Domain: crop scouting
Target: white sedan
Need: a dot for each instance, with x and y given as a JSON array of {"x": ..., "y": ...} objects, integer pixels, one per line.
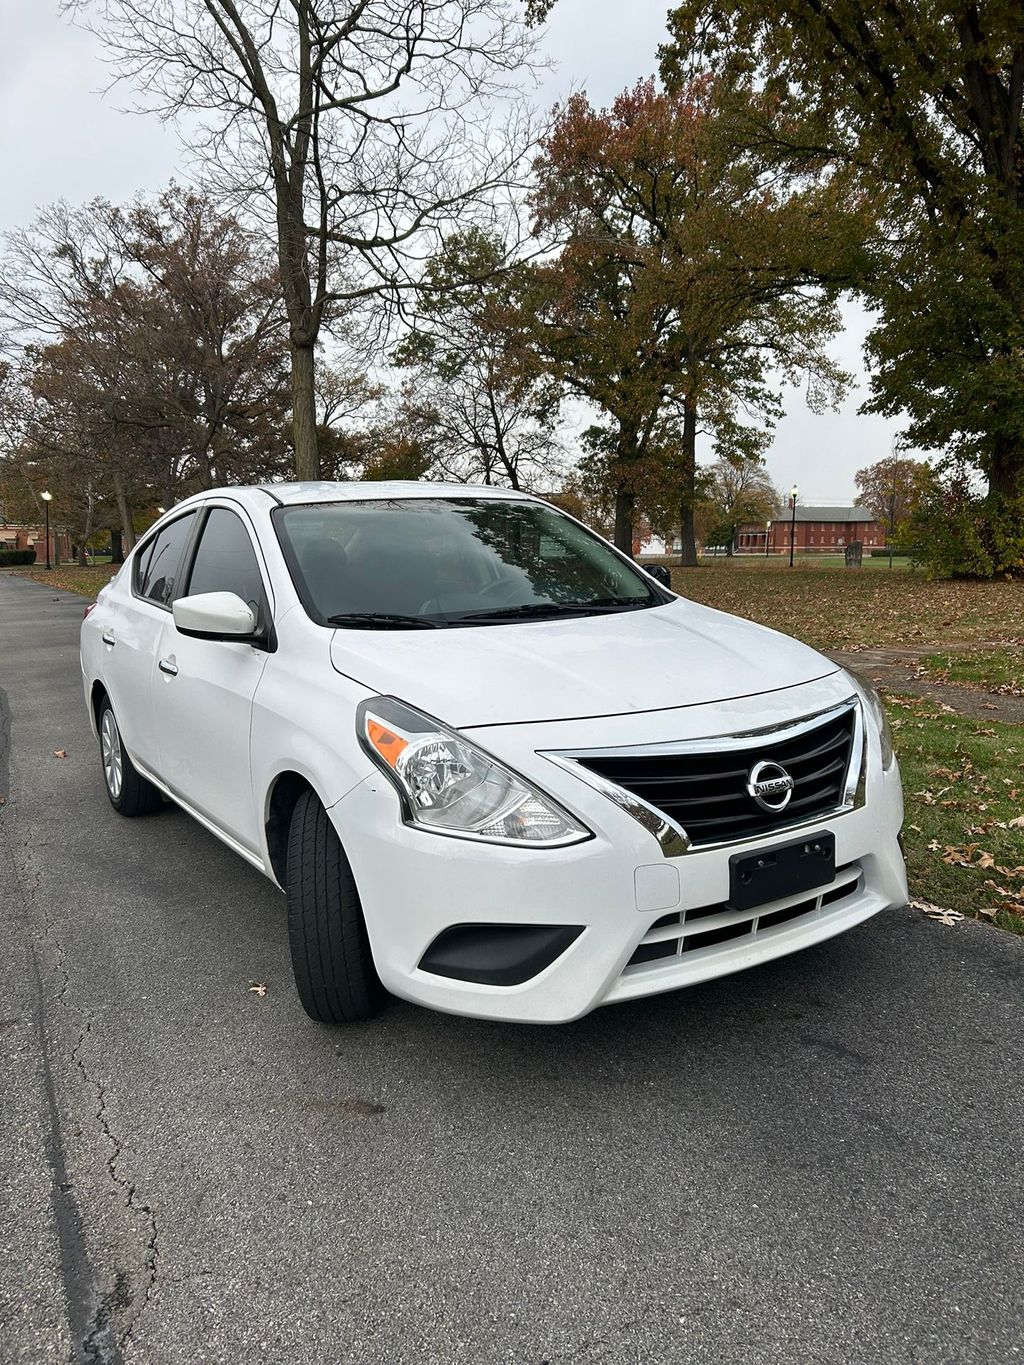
[{"x": 496, "y": 767}]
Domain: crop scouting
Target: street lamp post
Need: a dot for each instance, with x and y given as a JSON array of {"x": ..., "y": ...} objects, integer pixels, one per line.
[
  {"x": 46, "y": 504},
  {"x": 792, "y": 523},
  {"x": 767, "y": 533}
]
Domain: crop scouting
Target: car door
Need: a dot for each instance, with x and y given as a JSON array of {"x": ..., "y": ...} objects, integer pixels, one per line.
[
  {"x": 204, "y": 689},
  {"x": 132, "y": 627}
]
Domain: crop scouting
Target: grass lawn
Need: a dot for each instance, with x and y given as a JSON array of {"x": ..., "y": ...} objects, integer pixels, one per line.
[
  {"x": 964, "y": 831},
  {"x": 997, "y": 670},
  {"x": 840, "y": 608},
  {"x": 69, "y": 577}
]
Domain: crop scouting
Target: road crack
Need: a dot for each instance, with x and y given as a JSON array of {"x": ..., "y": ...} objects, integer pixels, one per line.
[
  {"x": 132, "y": 1200},
  {"x": 93, "y": 1315}
]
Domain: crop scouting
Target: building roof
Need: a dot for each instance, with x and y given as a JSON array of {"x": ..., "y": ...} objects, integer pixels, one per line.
[{"x": 806, "y": 512}]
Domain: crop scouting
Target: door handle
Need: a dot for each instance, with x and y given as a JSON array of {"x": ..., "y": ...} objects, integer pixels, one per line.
[
  {"x": 108, "y": 638},
  {"x": 168, "y": 666}
]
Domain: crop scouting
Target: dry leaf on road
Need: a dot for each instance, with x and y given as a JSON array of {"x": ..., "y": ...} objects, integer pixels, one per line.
[
  {"x": 938, "y": 913},
  {"x": 60, "y": 753},
  {"x": 258, "y": 988}
]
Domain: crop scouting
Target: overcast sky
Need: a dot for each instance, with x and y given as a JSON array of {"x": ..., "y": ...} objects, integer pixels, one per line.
[{"x": 62, "y": 138}]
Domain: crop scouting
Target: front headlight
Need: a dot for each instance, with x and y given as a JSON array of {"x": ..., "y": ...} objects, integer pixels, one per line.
[
  {"x": 871, "y": 699},
  {"x": 449, "y": 786}
]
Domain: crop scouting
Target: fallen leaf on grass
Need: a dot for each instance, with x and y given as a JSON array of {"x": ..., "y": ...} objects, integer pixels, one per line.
[
  {"x": 1012, "y": 902},
  {"x": 60, "y": 753},
  {"x": 965, "y": 856},
  {"x": 988, "y": 912},
  {"x": 1018, "y": 823},
  {"x": 938, "y": 913},
  {"x": 258, "y": 988}
]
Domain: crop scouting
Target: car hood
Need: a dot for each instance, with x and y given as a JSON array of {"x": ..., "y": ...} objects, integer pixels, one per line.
[{"x": 680, "y": 654}]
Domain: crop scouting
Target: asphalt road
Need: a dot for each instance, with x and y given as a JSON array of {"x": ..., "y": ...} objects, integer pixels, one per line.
[{"x": 815, "y": 1161}]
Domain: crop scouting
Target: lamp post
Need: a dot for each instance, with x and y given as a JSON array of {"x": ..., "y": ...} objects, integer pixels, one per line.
[
  {"x": 792, "y": 523},
  {"x": 767, "y": 533},
  {"x": 47, "y": 497}
]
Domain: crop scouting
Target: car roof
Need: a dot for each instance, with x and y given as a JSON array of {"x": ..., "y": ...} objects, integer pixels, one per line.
[
  {"x": 355, "y": 490},
  {"x": 318, "y": 491}
]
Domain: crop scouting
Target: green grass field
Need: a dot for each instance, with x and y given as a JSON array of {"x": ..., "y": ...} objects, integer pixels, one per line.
[
  {"x": 964, "y": 790},
  {"x": 832, "y": 607},
  {"x": 990, "y": 670}
]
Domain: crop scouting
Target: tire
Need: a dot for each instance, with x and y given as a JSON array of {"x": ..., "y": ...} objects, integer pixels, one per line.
[
  {"x": 331, "y": 958},
  {"x": 129, "y": 792}
]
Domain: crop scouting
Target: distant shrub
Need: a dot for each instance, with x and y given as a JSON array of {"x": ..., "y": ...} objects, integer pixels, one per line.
[{"x": 8, "y": 557}]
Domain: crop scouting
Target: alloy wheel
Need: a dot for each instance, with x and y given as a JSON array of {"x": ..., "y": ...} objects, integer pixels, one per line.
[{"x": 110, "y": 747}]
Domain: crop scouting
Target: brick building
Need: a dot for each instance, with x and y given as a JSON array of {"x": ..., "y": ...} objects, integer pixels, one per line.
[
  {"x": 819, "y": 530},
  {"x": 34, "y": 538}
]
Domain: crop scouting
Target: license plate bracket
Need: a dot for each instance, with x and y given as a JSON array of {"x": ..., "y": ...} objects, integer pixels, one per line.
[{"x": 771, "y": 874}]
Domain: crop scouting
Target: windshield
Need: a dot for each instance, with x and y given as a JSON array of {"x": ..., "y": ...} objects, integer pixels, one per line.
[{"x": 427, "y": 562}]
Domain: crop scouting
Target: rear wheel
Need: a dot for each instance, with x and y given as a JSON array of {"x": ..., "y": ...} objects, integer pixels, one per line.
[
  {"x": 130, "y": 794},
  {"x": 334, "y": 971}
]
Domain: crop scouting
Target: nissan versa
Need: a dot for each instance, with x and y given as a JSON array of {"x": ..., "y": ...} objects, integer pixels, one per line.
[{"x": 496, "y": 767}]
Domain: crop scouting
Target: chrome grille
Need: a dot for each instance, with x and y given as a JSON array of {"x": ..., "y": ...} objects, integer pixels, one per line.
[
  {"x": 701, "y": 787},
  {"x": 710, "y": 926}
]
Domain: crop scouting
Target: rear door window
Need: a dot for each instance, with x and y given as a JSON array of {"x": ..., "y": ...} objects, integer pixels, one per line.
[{"x": 159, "y": 566}]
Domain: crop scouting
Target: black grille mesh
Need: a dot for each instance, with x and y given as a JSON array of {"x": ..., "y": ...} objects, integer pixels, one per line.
[{"x": 705, "y": 792}]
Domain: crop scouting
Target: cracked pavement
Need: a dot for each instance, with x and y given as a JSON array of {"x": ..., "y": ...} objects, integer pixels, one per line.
[{"x": 813, "y": 1161}]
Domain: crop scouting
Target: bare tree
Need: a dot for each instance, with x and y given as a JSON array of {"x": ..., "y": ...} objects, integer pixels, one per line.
[
  {"x": 356, "y": 126},
  {"x": 483, "y": 398},
  {"x": 153, "y": 356},
  {"x": 737, "y": 491}
]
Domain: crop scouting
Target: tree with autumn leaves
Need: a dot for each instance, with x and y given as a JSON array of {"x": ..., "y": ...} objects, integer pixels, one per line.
[
  {"x": 923, "y": 105},
  {"x": 894, "y": 490},
  {"x": 696, "y": 276}
]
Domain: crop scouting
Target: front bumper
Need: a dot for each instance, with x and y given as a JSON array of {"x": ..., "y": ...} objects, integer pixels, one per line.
[{"x": 618, "y": 888}]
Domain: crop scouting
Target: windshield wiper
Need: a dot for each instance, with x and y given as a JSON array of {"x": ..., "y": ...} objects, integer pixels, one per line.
[
  {"x": 383, "y": 620},
  {"x": 602, "y": 606}
]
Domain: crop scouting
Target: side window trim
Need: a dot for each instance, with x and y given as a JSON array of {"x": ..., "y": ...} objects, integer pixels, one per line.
[
  {"x": 186, "y": 551},
  {"x": 140, "y": 561}
]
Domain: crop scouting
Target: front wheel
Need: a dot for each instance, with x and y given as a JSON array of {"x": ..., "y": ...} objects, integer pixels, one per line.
[
  {"x": 130, "y": 794},
  {"x": 334, "y": 972}
]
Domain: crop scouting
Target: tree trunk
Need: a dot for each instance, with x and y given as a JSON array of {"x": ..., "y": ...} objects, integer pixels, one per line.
[
  {"x": 625, "y": 500},
  {"x": 689, "y": 483},
  {"x": 116, "y": 548},
  {"x": 125, "y": 512},
  {"x": 627, "y": 455},
  {"x": 307, "y": 453},
  {"x": 1006, "y": 472},
  {"x": 87, "y": 532}
]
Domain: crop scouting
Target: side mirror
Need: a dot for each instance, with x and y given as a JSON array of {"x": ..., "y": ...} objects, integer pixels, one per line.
[
  {"x": 659, "y": 573},
  {"x": 214, "y": 616}
]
